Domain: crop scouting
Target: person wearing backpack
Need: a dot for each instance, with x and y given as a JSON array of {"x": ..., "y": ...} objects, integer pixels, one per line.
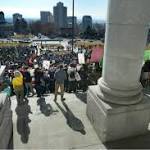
[
  {"x": 71, "y": 78},
  {"x": 18, "y": 86},
  {"x": 60, "y": 77}
]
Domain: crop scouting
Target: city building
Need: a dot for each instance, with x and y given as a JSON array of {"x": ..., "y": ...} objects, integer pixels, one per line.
[
  {"x": 46, "y": 17},
  {"x": 60, "y": 15},
  {"x": 86, "y": 22},
  {"x": 69, "y": 21},
  {"x": 21, "y": 26},
  {"x": 6, "y": 30},
  {"x": 16, "y": 16},
  {"x": 2, "y": 17}
]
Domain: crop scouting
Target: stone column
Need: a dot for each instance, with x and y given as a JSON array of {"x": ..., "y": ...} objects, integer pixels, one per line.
[
  {"x": 126, "y": 35},
  {"x": 110, "y": 104}
]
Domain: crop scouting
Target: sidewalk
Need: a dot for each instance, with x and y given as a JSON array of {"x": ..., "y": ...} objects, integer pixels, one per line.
[{"x": 54, "y": 128}]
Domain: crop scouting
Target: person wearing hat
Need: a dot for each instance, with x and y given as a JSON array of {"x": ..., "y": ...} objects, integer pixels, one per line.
[{"x": 18, "y": 86}]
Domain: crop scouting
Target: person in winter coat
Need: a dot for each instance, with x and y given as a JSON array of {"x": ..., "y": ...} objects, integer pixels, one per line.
[
  {"x": 60, "y": 77},
  {"x": 18, "y": 86}
]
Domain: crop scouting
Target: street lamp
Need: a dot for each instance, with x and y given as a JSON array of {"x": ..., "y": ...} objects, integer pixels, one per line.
[{"x": 72, "y": 25}]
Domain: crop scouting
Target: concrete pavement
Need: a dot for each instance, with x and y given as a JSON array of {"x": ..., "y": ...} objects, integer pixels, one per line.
[
  {"x": 42, "y": 124},
  {"x": 47, "y": 125}
]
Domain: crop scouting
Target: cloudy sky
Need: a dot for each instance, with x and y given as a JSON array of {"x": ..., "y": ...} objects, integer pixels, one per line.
[{"x": 31, "y": 8}]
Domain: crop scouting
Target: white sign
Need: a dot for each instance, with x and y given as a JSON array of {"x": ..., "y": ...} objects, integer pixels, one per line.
[
  {"x": 36, "y": 66},
  {"x": 46, "y": 64},
  {"x": 53, "y": 61},
  {"x": 81, "y": 58}
]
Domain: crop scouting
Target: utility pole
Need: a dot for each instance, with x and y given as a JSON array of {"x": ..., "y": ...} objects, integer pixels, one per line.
[{"x": 72, "y": 25}]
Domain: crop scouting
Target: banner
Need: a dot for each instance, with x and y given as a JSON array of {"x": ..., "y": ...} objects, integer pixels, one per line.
[{"x": 97, "y": 54}]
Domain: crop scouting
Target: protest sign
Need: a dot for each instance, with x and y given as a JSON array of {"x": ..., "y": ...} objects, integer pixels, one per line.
[
  {"x": 81, "y": 58},
  {"x": 46, "y": 64}
]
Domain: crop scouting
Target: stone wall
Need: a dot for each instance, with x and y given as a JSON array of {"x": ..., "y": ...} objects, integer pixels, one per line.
[{"x": 5, "y": 121}]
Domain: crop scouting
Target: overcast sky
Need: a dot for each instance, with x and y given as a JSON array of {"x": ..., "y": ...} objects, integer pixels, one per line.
[{"x": 31, "y": 8}]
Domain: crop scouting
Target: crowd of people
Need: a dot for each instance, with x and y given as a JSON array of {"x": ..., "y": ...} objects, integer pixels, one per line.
[
  {"x": 15, "y": 55},
  {"x": 27, "y": 81},
  {"x": 27, "y": 76}
]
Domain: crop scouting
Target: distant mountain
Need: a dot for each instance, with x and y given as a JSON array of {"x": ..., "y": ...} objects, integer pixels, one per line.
[
  {"x": 99, "y": 21},
  {"x": 9, "y": 20},
  {"x": 29, "y": 20}
]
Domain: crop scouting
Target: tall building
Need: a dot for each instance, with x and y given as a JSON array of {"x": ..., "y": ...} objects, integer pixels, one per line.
[
  {"x": 16, "y": 16},
  {"x": 69, "y": 21},
  {"x": 46, "y": 17},
  {"x": 2, "y": 17},
  {"x": 6, "y": 30},
  {"x": 21, "y": 26},
  {"x": 86, "y": 22},
  {"x": 60, "y": 15}
]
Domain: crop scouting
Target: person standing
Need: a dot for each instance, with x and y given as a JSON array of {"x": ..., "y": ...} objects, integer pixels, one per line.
[
  {"x": 52, "y": 79},
  {"x": 71, "y": 78},
  {"x": 60, "y": 77},
  {"x": 84, "y": 79},
  {"x": 28, "y": 82},
  {"x": 46, "y": 79},
  {"x": 39, "y": 82},
  {"x": 66, "y": 81},
  {"x": 18, "y": 86}
]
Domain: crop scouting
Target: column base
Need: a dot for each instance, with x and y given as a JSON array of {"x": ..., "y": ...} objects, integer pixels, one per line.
[
  {"x": 126, "y": 96},
  {"x": 114, "y": 122}
]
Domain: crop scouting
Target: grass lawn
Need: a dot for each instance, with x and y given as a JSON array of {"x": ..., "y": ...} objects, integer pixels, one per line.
[{"x": 12, "y": 44}]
